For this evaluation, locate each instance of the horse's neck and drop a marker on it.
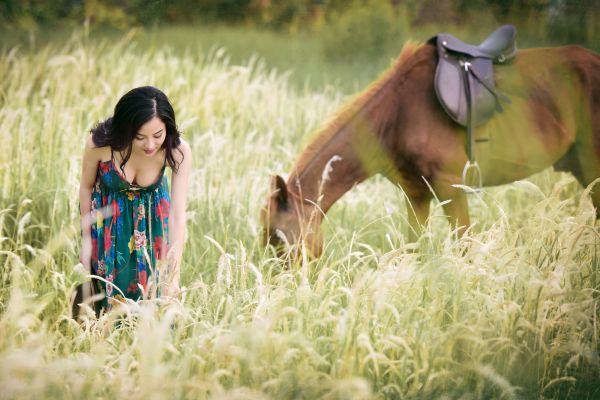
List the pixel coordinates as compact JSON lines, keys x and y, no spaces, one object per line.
{"x":357,"y":144}
{"x":329,"y":173}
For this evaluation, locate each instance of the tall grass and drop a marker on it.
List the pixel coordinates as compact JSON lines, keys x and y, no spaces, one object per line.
{"x":302,"y":55}
{"x":508,"y":311}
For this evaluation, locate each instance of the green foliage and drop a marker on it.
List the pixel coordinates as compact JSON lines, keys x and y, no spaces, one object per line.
{"x":574,"y":22}
{"x":27,"y":14}
{"x":373,"y":26}
{"x":369,"y":30}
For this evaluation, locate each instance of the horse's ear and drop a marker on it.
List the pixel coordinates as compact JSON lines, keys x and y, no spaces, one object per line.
{"x":279,"y":191}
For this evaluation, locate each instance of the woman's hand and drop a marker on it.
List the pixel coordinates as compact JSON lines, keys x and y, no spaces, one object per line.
{"x":169,"y":275}
{"x":172,"y":290}
{"x":85,"y":254}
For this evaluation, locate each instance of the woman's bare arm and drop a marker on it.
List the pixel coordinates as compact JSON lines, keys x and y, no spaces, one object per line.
{"x":89,"y":169}
{"x":179,"y":188}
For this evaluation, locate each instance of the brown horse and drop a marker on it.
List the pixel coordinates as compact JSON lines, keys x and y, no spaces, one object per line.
{"x":397,"y":128}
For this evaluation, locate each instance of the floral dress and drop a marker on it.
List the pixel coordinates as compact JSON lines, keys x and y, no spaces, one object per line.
{"x":129,"y":234}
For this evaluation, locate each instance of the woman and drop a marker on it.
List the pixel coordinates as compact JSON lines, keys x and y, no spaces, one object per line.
{"x":131,"y":226}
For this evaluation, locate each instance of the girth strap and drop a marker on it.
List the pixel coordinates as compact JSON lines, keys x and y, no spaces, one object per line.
{"x":466,"y":71}
{"x":470,"y":136}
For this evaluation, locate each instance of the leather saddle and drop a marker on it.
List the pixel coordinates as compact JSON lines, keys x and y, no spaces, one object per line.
{"x":464,"y":78}
{"x":464,"y":83}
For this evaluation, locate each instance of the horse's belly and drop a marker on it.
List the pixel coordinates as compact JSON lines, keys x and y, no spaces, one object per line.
{"x":518,"y":143}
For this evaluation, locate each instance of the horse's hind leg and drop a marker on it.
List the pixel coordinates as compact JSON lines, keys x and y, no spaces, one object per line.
{"x":591,"y":168}
{"x":596,"y":199}
{"x":588,"y":135}
{"x":583,"y":161}
{"x":569,"y":162}
{"x":595,"y":189}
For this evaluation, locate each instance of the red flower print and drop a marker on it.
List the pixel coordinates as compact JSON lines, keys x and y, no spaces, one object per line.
{"x":104,"y":167}
{"x":162,"y":209}
{"x":94,"y":249}
{"x":133,"y":287}
{"x":115,"y":208}
{"x":107,"y":239}
{"x":160,"y":248}
{"x":142,"y":277}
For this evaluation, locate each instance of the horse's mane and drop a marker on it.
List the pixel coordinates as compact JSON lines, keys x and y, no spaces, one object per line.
{"x":340,"y":119}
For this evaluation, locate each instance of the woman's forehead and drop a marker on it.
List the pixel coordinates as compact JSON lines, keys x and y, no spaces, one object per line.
{"x":151,"y":127}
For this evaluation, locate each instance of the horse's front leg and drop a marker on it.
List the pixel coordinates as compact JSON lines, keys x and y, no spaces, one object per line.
{"x":418,"y":212}
{"x":456,"y":206}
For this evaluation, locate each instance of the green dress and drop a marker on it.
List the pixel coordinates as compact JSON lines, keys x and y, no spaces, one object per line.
{"x":129,"y":234}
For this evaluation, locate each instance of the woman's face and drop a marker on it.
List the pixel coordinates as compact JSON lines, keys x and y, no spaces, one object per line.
{"x":150,"y":137}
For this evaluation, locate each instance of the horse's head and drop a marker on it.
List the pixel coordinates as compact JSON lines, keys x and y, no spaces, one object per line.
{"x":289,"y":223}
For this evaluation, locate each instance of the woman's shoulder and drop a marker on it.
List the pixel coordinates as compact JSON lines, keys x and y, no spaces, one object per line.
{"x":101,"y":153}
{"x":182,"y":152}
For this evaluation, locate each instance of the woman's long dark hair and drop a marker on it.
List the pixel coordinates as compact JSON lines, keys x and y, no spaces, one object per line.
{"x":133,"y":110}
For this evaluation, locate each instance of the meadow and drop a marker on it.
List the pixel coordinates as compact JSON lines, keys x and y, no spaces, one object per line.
{"x":508,"y":311}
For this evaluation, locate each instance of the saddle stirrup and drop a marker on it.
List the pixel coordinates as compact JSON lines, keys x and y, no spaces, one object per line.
{"x":471,"y":163}
{"x":472,"y":166}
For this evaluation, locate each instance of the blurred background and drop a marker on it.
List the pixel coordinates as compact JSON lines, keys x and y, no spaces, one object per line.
{"x":344,"y":43}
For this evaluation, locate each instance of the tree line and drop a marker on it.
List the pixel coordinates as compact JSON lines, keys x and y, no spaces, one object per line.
{"x":571,"y":20}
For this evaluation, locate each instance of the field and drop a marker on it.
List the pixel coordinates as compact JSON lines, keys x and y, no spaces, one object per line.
{"x":508,"y":311}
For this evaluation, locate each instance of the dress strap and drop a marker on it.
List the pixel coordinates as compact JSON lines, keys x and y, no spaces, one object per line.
{"x":114,"y":164}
